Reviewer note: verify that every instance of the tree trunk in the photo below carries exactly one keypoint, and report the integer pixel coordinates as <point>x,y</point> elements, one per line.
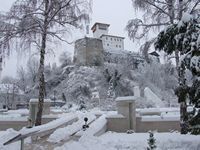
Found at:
<point>183,103</point>
<point>41,83</point>
<point>181,72</point>
<point>183,117</point>
<point>41,68</point>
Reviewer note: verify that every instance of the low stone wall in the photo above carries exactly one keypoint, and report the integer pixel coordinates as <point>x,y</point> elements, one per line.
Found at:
<point>18,124</point>
<point>127,119</point>
<point>117,123</point>
<point>160,126</point>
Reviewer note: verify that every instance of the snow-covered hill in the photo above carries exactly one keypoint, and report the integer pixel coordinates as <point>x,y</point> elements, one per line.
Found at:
<point>78,84</point>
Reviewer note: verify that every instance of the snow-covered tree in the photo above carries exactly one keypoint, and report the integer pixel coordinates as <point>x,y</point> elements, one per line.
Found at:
<point>22,78</point>
<point>156,15</point>
<point>37,22</point>
<point>10,90</point>
<point>65,59</point>
<point>32,70</point>
<point>184,36</point>
<point>151,142</point>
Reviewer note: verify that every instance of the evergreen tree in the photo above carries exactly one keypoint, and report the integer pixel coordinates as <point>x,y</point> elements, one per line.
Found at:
<point>151,142</point>
<point>185,37</point>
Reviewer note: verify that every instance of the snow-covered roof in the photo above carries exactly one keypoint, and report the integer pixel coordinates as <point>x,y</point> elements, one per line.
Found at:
<point>100,24</point>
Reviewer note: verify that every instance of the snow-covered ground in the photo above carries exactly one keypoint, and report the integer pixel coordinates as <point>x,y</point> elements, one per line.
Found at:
<point>65,132</point>
<point>5,136</point>
<point>108,140</point>
<point>135,141</point>
<point>118,141</point>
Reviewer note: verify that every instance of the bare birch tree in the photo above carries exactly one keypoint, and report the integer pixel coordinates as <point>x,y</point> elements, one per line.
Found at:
<point>36,22</point>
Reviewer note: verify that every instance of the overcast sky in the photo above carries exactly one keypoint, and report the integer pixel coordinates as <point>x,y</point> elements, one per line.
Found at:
<point>114,12</point>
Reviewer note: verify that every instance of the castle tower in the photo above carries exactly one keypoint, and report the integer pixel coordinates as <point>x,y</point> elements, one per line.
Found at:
<point>99,29</point>
<point>110,42</point>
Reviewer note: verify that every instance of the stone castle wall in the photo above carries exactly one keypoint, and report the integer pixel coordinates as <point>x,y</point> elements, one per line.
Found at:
<point>88,51</point>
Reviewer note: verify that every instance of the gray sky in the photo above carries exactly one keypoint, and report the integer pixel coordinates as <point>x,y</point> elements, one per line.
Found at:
<point>114,12</point>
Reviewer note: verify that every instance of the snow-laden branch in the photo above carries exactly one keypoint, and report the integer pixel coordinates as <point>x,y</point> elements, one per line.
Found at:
<point>195,5</point>
<point>157,7</point>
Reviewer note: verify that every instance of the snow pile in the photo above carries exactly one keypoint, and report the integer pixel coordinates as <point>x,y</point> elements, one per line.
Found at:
<point>136,141</point>
<point>65,133</point>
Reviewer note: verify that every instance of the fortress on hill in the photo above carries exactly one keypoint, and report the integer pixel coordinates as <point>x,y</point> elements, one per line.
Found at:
<point>102,47</point>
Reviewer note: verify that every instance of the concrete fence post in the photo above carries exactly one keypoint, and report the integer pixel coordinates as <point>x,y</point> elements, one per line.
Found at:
<point>126,107</point>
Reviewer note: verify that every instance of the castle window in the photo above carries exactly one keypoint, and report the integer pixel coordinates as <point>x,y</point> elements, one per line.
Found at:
<point>111,39</point>
<point>116,45</point>
<point>119,46</point>
<point>106,38</point>
<point>102,27</point>
<point>107,44</point>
